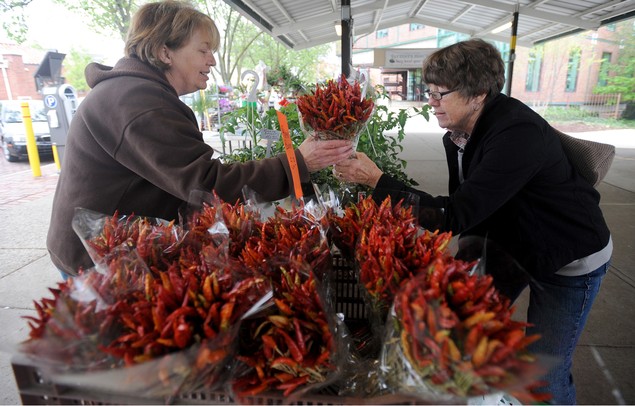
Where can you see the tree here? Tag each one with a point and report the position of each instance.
(237, 38)
(276, 56)
(621, 75)
(244, 46)
(74, 64)
(105, 16)
(13, 21)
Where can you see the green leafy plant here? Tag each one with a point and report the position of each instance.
(284, 80)
(374, 141)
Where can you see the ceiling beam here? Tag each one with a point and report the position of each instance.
(469, 30)
(531, 12)
(376, 5)
(378, 15)
(313, 20)
(417, 8)
(462, 13)
(620, 3)
(619, 11)
(496, 24)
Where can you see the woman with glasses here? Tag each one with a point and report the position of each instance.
(510, 184)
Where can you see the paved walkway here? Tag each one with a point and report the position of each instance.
(21, 187)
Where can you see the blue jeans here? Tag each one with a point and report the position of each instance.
(558, 309)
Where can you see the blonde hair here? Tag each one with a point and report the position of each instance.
(166, 23)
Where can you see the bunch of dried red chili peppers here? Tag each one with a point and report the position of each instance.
(335, 109)
(292, 344)
(455, 336)
(243, 298)
(387, 244)
(161, 289)
(452, 331)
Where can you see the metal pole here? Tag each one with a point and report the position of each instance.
(347, 38)
(512, 53)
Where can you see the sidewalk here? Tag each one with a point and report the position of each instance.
(604, 363)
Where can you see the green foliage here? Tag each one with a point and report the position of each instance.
(105, 16)
(374, 141)
(283, 78)
(13, 20)
(238, 36)
(621, 77)
(243, 46)
(575, 114)
(570, 113)
(74, 65)
(279, 59)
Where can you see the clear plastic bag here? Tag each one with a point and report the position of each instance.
(450, 337)
(156, 240)
(337, 109)
(158, 315)
(294, 344)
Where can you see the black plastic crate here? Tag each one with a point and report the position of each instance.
(348, 296)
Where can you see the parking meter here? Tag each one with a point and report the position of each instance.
(60, 103)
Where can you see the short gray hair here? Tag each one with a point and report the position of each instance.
(472, 67)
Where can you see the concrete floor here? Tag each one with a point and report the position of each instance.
(604, 363)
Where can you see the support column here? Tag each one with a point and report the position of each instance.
(512, 53)
(347, 38)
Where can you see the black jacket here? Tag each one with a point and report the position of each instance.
(519, 191)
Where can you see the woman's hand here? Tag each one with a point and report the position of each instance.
(358, 170)
(319, 154)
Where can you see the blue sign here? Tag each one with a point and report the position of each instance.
(50, 101)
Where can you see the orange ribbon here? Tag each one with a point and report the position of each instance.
(288, 147)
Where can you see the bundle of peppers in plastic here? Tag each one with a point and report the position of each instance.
(471, 348)
(293, 346)
(293, 343)
(165, 311)
(163, 301)
(388, 245)
(336, 109)
(451, 336)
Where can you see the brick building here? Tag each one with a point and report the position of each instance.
(560, 72)
(17, 67)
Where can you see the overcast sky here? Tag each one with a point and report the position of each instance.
(55, 28)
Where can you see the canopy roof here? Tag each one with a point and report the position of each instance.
(303, 24)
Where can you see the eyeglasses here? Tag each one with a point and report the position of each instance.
(437, 95)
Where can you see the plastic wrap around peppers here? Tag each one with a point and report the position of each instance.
(295, 344)
(450, 337)
(337, 109)
(387, 247)
(160, 312)
(441, 329)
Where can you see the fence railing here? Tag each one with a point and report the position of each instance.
(599, 105)
(605, 105)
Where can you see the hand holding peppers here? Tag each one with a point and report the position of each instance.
(321, 154)
(361, 170)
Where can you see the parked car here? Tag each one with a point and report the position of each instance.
(13, 131)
